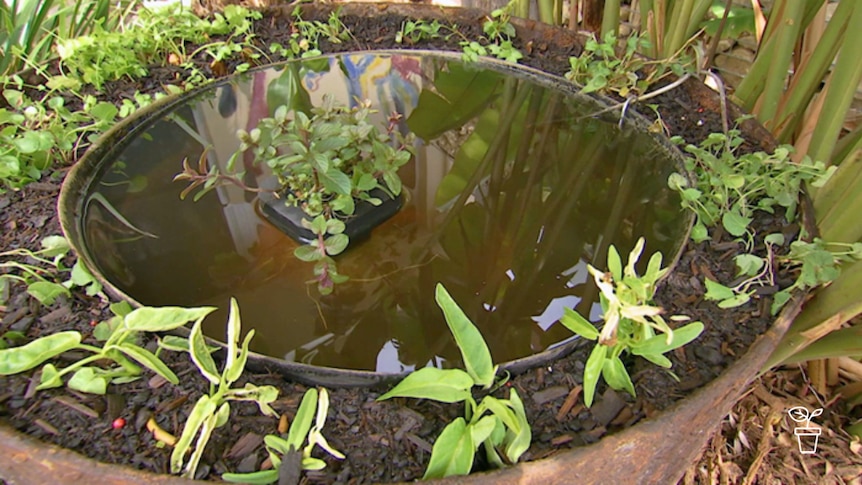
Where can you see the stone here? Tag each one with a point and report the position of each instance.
(608, 407)
(725, 45)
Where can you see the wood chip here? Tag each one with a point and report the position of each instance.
(171, 405)
(77, 406)
(156, 382)
(45, 426)
(245, 445)
(549, 394)
(569, 403)
(419, 442)
(562, 439)
(283, 424)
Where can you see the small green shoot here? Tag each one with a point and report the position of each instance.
(212, 410)
(314, 404)
(120, 346)
(504, 429)
(631, 323)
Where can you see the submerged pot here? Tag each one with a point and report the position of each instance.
(288, 219)
(654, 451)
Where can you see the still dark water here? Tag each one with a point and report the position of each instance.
(514, 189)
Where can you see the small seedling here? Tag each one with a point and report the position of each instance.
(631, 322)
(504, 429)
(728, 187)
(600, 69)
(212, 410)
(314, 404)
(120, 346)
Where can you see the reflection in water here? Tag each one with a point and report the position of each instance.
(508, 199)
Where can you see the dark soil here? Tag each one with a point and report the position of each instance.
(386, 441)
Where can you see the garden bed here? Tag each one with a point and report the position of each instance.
(383, 441)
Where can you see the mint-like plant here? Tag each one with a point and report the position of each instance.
(631, 322)
(212, 410)
(498, 424)
(325, 163)
(314, 405)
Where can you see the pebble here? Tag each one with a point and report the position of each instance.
(625, 30)
(549, 394)
(608, 407)
(4, 202)
(248, 464)
(22, 325)
(709, 355)
(725, 45)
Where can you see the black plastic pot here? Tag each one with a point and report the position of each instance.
(288, 218)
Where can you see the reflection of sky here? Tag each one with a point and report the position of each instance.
(554, 311)
(389, 363)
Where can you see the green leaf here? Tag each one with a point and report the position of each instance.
(578, 324)
(659, 345)
(86, 380)
(263, 477)
(393, 181)
(615, 265)
(233, 372)
(474, 351)
(449, 385)
(55, 246)
(121, 309)
(50, 378)
(748, 264)
(163, 319)
(738, 300)
(302, 422)
(203, 410)
(46, 292)
(481, 430)
(148, 360)
(717, 291)
(779, 300)
(592, 372)
(26, 357)
(307, 253)
(234, 327)
(699, 233)
(616, 376)
(334, 226)
(336, 181)
(336, 244)
(452, 453)
(200, 354)
(521, 442)
(735, 223)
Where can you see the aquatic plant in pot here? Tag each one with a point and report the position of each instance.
(337, 177)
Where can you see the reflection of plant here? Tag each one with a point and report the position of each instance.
(630, 322)
(504, 430)
(120, 336)
(301, 430)
(324, 164)
(213, 410)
